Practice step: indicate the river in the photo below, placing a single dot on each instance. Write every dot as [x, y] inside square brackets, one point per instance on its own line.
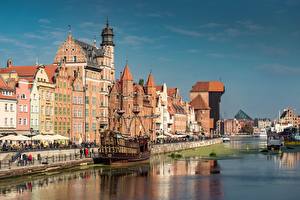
[251, 175]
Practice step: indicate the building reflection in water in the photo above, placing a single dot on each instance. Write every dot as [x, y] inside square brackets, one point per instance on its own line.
[290, 160]
[162, 179]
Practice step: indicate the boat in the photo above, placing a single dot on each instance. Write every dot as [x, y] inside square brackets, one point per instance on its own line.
[274, 143]
[263, 134]
[118, 148]
[292, 140]
[226, 139]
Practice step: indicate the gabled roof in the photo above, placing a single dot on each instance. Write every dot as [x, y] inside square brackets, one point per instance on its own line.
[126, 75]
[208, 86]
[90, 51]
[171, 92]
[199, 104]
[51, 70]
[159, 88]
[150, 81]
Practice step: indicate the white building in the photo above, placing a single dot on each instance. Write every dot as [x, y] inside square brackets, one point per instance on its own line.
[8, 103]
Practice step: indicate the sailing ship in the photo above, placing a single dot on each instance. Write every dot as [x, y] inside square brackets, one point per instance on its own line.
[117, 147]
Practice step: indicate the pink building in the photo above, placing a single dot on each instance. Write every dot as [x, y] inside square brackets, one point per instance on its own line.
[23, 106]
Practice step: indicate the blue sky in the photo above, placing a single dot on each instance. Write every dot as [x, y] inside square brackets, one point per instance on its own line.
[252, 46]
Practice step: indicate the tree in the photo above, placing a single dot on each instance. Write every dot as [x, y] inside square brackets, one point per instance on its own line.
[141, 82]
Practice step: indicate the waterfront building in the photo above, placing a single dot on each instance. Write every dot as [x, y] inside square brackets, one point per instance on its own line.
[289, 116]
[8, 103]
[263, 123]
[232, 127]
[95, 64]
[23, 107]
[25, 74]
[205, 98]
[138, 102]
[162, 122]
[45, 87]
[63, 102]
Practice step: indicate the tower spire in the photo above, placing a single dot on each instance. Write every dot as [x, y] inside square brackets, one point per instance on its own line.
[107, 24]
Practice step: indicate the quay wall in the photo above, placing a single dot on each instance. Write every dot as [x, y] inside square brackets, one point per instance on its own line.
[170, 147]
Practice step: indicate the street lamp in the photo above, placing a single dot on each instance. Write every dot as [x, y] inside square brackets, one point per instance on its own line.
[31, 130]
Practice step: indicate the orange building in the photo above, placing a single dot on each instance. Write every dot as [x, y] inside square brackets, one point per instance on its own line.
[205, 98]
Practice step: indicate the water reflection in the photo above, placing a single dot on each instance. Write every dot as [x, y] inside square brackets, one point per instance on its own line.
[163, 179]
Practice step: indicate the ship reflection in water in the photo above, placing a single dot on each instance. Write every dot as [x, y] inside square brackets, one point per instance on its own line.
[162, 179]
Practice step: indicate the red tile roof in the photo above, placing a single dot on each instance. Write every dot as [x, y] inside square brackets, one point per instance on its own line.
[159, 88]
[150, 81]
[51, 70]
[172, 92]
[199, 104]
[208, 86]
[126, 76]
[22, 71]
[138, 88]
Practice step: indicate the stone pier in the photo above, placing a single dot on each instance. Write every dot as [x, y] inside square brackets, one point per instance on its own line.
[170, 147]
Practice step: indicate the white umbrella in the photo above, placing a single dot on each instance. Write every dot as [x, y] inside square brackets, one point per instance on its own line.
[161, 136]
[15, 138]
[42, 138]
[59, 137]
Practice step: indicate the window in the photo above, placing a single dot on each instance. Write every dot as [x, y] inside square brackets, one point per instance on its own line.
[25, 108]
[86, 126]
[75, 100]
[5, 121]
[6, 107]
[94, 126]
[11, 107]
[21, 108]
[94, 100]
[86, 112]
[20, 121]
[36, 122]
[65, 58]
[23, 96]
[24, 121]
[11, 121]
[74, 59]
[94, 113]
[79, 113]
[87, 100]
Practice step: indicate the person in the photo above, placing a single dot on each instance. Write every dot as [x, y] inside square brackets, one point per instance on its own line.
[86, 152]
[30, 158]
[81, 152]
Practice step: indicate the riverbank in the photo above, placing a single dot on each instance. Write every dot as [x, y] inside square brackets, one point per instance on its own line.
[72, 160]
[43, 168]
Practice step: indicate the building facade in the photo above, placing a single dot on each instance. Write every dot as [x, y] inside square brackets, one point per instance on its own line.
[205, 98]
[23, 109]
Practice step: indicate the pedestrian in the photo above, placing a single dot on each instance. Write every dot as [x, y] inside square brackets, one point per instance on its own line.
[30, 158]
[86, 151]
[81, 152]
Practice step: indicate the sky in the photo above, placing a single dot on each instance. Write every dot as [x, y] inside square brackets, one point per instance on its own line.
[251, 46]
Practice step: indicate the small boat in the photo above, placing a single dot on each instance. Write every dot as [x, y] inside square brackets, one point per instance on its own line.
[118, 148]
[226, 139]
[274, 143]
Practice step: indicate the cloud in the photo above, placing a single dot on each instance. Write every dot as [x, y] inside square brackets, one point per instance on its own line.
[280, 69]
[211, 25]
[89, 25]
[249, 25]
[13, 41]
[232, 32]
[185, 32]
[216, 55]
[274, 51]
[34, 36]
[134, 40]
[44, 21]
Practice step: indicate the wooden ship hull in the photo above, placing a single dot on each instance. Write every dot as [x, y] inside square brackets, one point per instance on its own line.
[109, 159]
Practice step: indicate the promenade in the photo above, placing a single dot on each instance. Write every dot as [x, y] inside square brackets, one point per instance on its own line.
[53, 160]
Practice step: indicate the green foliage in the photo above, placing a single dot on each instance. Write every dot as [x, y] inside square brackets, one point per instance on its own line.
[141, 82]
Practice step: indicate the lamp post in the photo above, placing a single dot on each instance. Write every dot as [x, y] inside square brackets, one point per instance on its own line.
[31, 130]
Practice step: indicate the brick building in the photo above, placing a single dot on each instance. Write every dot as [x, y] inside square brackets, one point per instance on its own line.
[205, 98]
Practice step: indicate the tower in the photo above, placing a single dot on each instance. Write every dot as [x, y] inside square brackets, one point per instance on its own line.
[107, 46]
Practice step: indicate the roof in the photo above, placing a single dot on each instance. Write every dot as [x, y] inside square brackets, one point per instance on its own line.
[159, 88]
[51, 70]
[208, 86]
[150, 81]
[199, 104]
[138, 88]
[22, 71]
[90, 51]
[126, 75]
[3, 84]
[172, 92]
[241, 115]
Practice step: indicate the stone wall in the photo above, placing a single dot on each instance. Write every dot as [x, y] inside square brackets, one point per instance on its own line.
[170, 147]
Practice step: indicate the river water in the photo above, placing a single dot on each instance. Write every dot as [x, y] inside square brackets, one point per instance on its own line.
[250, 176]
